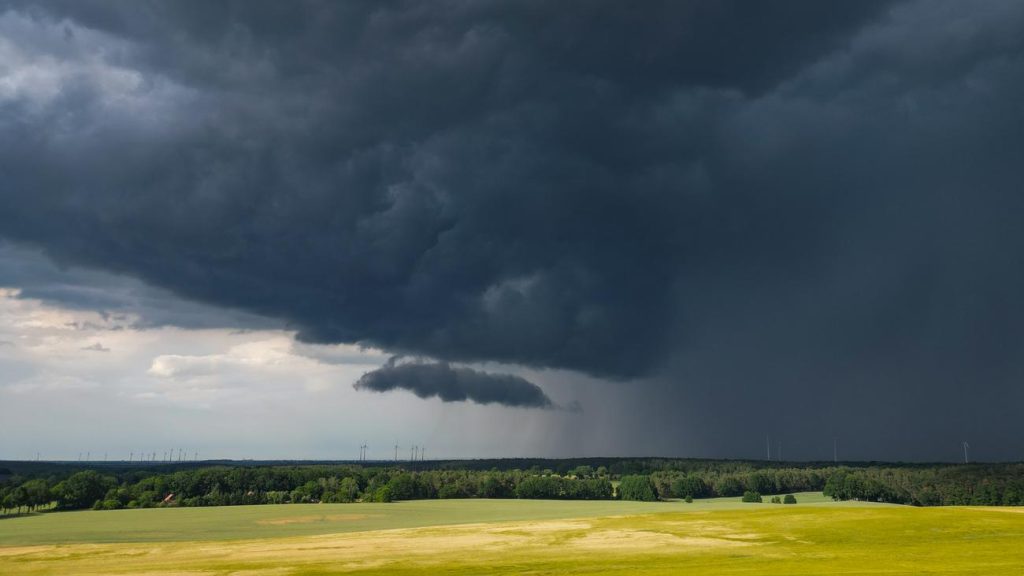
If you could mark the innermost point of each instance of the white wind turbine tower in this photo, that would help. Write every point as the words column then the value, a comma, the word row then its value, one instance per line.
column 966, row 448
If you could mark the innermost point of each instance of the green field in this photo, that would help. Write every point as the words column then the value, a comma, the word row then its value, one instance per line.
column 720, row 536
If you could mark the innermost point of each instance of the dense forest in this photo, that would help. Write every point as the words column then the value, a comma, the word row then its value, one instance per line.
column 30, row 486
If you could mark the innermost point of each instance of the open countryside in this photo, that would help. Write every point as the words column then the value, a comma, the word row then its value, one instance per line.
column 578, row 516
column 496, row 287
column 715, row 536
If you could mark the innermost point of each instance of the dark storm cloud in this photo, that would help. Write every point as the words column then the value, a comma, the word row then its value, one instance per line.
column 121, row 301
column 472, row 181
column 438, row 379
column 761, row 201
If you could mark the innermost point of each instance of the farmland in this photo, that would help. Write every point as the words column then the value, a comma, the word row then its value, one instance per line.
column 719, row 536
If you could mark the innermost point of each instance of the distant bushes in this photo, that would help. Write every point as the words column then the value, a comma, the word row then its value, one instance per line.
column 751, row 496
column 789, row 499
column 637, row 487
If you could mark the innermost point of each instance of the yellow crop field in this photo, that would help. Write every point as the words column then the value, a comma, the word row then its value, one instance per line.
column 561, row 538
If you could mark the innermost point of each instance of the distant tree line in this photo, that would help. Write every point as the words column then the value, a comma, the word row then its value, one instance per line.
column 712, row 482
column 228, row 486
column 71, row 487
column 976, row 484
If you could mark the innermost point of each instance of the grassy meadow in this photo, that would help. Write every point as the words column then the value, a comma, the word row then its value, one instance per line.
column 721, row 536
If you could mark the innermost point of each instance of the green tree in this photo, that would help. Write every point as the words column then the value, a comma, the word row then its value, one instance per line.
column 729, row 486
column 690, row 485
column 583, row 471
column 19, row 499
column 6, row 501
column 348, row 489
column 37, row 493
column 81, row 490
column 382, row 494
column 108, row 504
column 491, row 486
column 637, row 487
column 309, row 492
column 789, row 499
column 402, row 486
column 276, row 497
column 760, row 482
column 539, row 487
column 750, row 496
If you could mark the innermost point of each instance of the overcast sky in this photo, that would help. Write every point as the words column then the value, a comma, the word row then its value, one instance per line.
column 266, row 229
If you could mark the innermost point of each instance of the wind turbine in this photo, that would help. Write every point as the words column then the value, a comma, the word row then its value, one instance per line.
column 966, row 448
